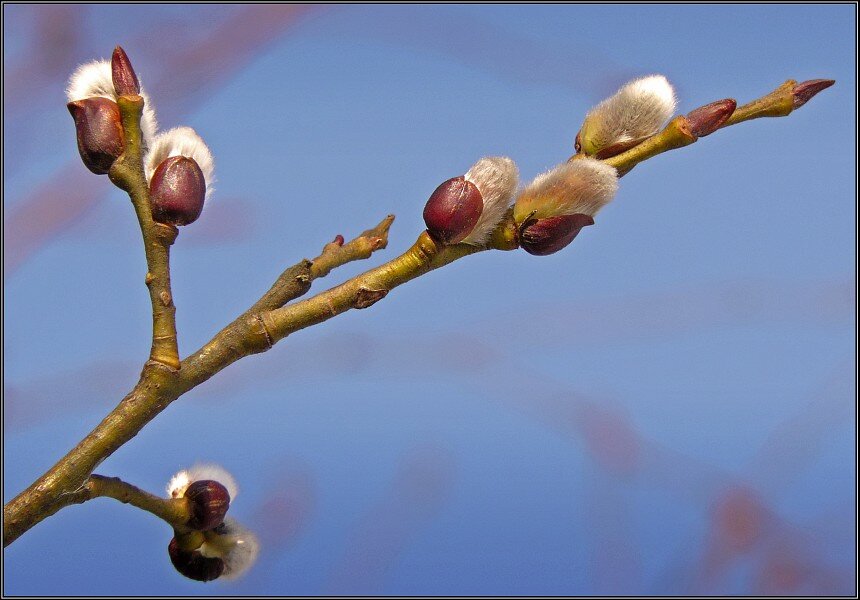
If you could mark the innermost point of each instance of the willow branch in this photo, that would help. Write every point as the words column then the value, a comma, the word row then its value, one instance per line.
column 127, row 173
column 296, row 280
column 174, row 511
column 365, row 290
column 159, row 386
column 781, row 102
column 271, row 318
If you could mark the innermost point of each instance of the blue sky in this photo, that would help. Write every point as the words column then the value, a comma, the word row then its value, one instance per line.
column 667, row 406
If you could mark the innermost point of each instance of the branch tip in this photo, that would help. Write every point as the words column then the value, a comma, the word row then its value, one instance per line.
column 805, row 91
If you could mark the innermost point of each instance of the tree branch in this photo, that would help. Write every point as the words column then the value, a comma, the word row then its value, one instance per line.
column 366, row 289
column 174, row 511
column 159, row 385
column 271, row 319
column 128, row 174
column 779, row 103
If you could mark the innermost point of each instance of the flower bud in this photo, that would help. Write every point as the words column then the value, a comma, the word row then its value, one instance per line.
column 99, row 132
column 125, row 81
column 209, row 503
column 179, row 483
column 468, row 208
column 803, row 92
column 496, row 178
column 578, row 187
column 193, row 564
column 98, row 79
column 706, row 119
column 177, row 191
column 637, row 111
column 180, row 171
column 233, row 544
column 547, row 236
column 453, row 210
column 553, row 208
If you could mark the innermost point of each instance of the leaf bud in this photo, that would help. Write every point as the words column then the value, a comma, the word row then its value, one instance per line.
column 193, row 564
column 209, row 503
column 99, row 132
column 706, row 119
column 804, row 92
column 125, row 81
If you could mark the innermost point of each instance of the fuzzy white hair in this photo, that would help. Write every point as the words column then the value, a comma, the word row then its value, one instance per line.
column 200, row 472
column 233, row 544
column 95, row 80
column 496, row 177
column 638, row 110
column 178, row 484
column 577, row 187
column 181, row 141
column 91, row 80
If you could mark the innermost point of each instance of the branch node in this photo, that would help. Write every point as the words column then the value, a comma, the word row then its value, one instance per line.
column 365, row 297
column 155, row 363
column 165, row 233
column 260, row 329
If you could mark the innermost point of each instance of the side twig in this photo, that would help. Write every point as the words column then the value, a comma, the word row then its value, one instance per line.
column 174, row 511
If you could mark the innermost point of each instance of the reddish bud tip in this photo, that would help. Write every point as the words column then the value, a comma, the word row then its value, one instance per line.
column 706, row 119
column 547, row 236
column 209, row 503
column 803, row 92
column 125, row 81
column 616, row 149
column 338, row 239
column 177, row 191
column 99, row 132
column 453, row 210
column 193, row 564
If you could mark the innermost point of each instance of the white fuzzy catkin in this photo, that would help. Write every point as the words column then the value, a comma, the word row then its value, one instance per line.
column 233, row 544
column 496, row 177
column 181, row 141
column 95, row 80
column 200, row 472
column 577, row 187
column 638, row 110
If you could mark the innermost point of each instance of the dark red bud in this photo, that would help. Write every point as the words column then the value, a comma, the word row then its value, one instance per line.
column 706, row 119
column 177, row 191
column 546, row 236
column 125, row 81
column 803, row 92
column 209, row 503
column 194, row 565
column 99, row 132
column 453, row 210
column 617, row 148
